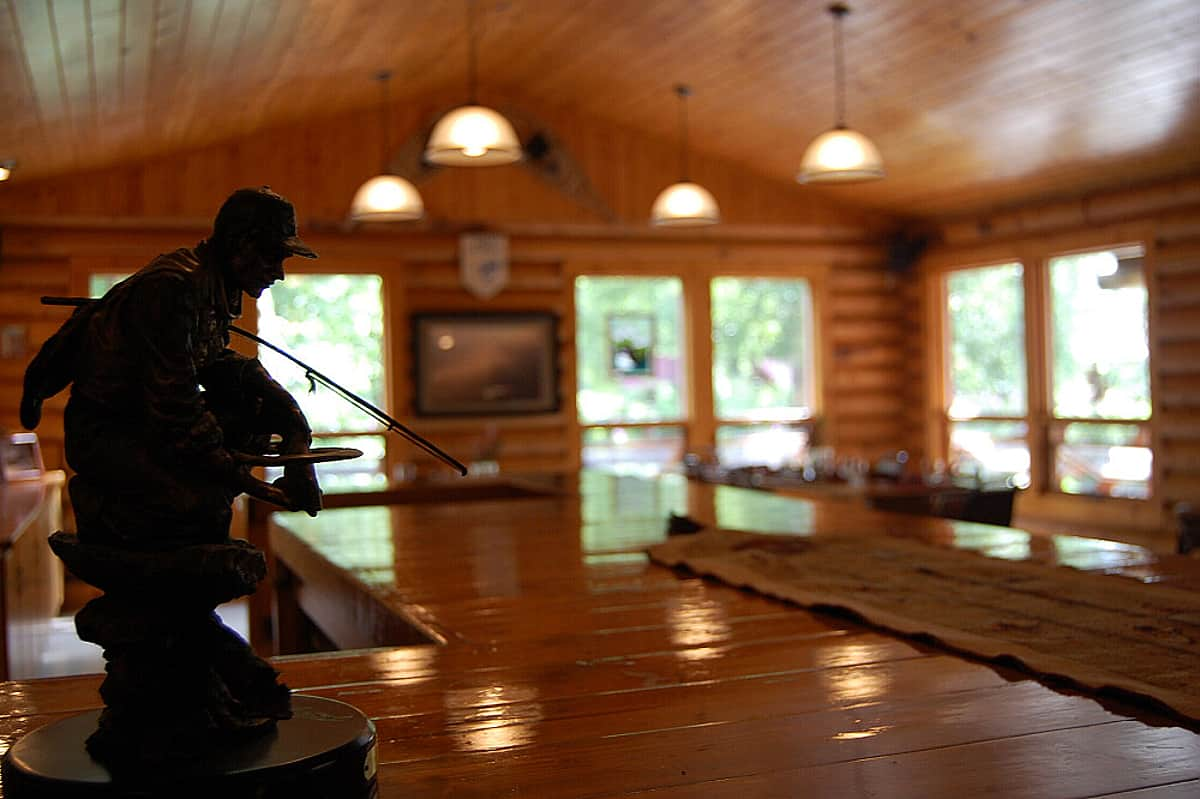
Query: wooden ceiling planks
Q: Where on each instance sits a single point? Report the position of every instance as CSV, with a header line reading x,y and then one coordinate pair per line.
x,y
104,21
974,105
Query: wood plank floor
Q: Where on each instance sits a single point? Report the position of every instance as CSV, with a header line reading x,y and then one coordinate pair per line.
x,y
575,668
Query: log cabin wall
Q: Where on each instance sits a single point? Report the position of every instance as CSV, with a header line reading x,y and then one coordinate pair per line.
x,y
874,390
25,325
590,215
1165,216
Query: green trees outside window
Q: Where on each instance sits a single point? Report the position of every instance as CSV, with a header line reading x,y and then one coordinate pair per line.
x,y
618,393
607,394
633,377
985,310
100,283
762,349
1101,366
763,368
986,375
1100,370
1096,383
334,323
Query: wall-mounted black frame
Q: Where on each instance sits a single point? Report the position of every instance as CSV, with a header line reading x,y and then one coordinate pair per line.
x,y
485,363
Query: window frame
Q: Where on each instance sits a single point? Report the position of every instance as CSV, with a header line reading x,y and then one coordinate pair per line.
x,y
699,421
1056,426
577,428
940,374
815,357
302,266
1042,498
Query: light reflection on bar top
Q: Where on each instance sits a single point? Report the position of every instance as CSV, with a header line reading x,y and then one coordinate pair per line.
x,y
623,515
1063,550
847,676
492,717
619,515
606,497
867,732
357,539
697,623
413,663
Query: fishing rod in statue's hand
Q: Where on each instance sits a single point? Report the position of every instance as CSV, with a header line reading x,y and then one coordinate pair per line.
x,y
313,376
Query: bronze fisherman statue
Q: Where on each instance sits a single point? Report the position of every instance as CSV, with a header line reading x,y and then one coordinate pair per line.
x,y
161,418
162,427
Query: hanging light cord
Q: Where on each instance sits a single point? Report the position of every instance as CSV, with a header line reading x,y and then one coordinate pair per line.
x,y
471,66
839,11
384,77
683,92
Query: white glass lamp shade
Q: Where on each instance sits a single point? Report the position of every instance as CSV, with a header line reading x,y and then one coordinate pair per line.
x,y
684,205
386,198
472,135
840,154
6,170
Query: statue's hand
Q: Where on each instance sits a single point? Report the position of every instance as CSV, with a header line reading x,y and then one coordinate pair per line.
x,y
285,417
299,483
296,490
278,411
249,484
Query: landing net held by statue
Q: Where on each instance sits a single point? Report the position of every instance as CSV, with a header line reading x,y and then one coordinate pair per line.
x,y
389,423
314,455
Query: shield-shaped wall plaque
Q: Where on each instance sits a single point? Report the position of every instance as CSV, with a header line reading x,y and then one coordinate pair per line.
x,y
483,263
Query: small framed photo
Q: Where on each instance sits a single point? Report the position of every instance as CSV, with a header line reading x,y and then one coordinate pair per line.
x,y
631,344
14,341
22,457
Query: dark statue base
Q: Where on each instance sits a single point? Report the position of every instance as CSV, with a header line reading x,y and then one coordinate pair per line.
x,y
179,682
327,749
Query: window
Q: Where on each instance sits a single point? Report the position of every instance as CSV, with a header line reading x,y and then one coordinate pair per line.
x,y
1099,374
100,283
986,376
636,386
334,323
631,372
1085,410
762,368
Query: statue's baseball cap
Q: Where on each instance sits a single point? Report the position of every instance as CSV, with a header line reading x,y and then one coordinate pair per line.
x,y
262,211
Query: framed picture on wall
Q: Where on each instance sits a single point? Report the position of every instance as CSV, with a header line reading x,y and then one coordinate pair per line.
x,y
485,363
631,344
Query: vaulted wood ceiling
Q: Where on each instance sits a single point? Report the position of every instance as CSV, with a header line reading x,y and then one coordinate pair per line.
x,y
975,104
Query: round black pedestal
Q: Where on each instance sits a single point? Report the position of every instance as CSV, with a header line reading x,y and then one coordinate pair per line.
x,y
327,749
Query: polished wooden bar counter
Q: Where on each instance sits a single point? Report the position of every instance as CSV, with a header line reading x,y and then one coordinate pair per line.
x,y
31,586
562,663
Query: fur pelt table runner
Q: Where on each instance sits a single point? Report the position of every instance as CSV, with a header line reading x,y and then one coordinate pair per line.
x,y
1105,634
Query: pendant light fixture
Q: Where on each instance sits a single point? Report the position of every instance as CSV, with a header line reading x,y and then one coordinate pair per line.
x,y
472,134
386,197
842,154
684,204
6,169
